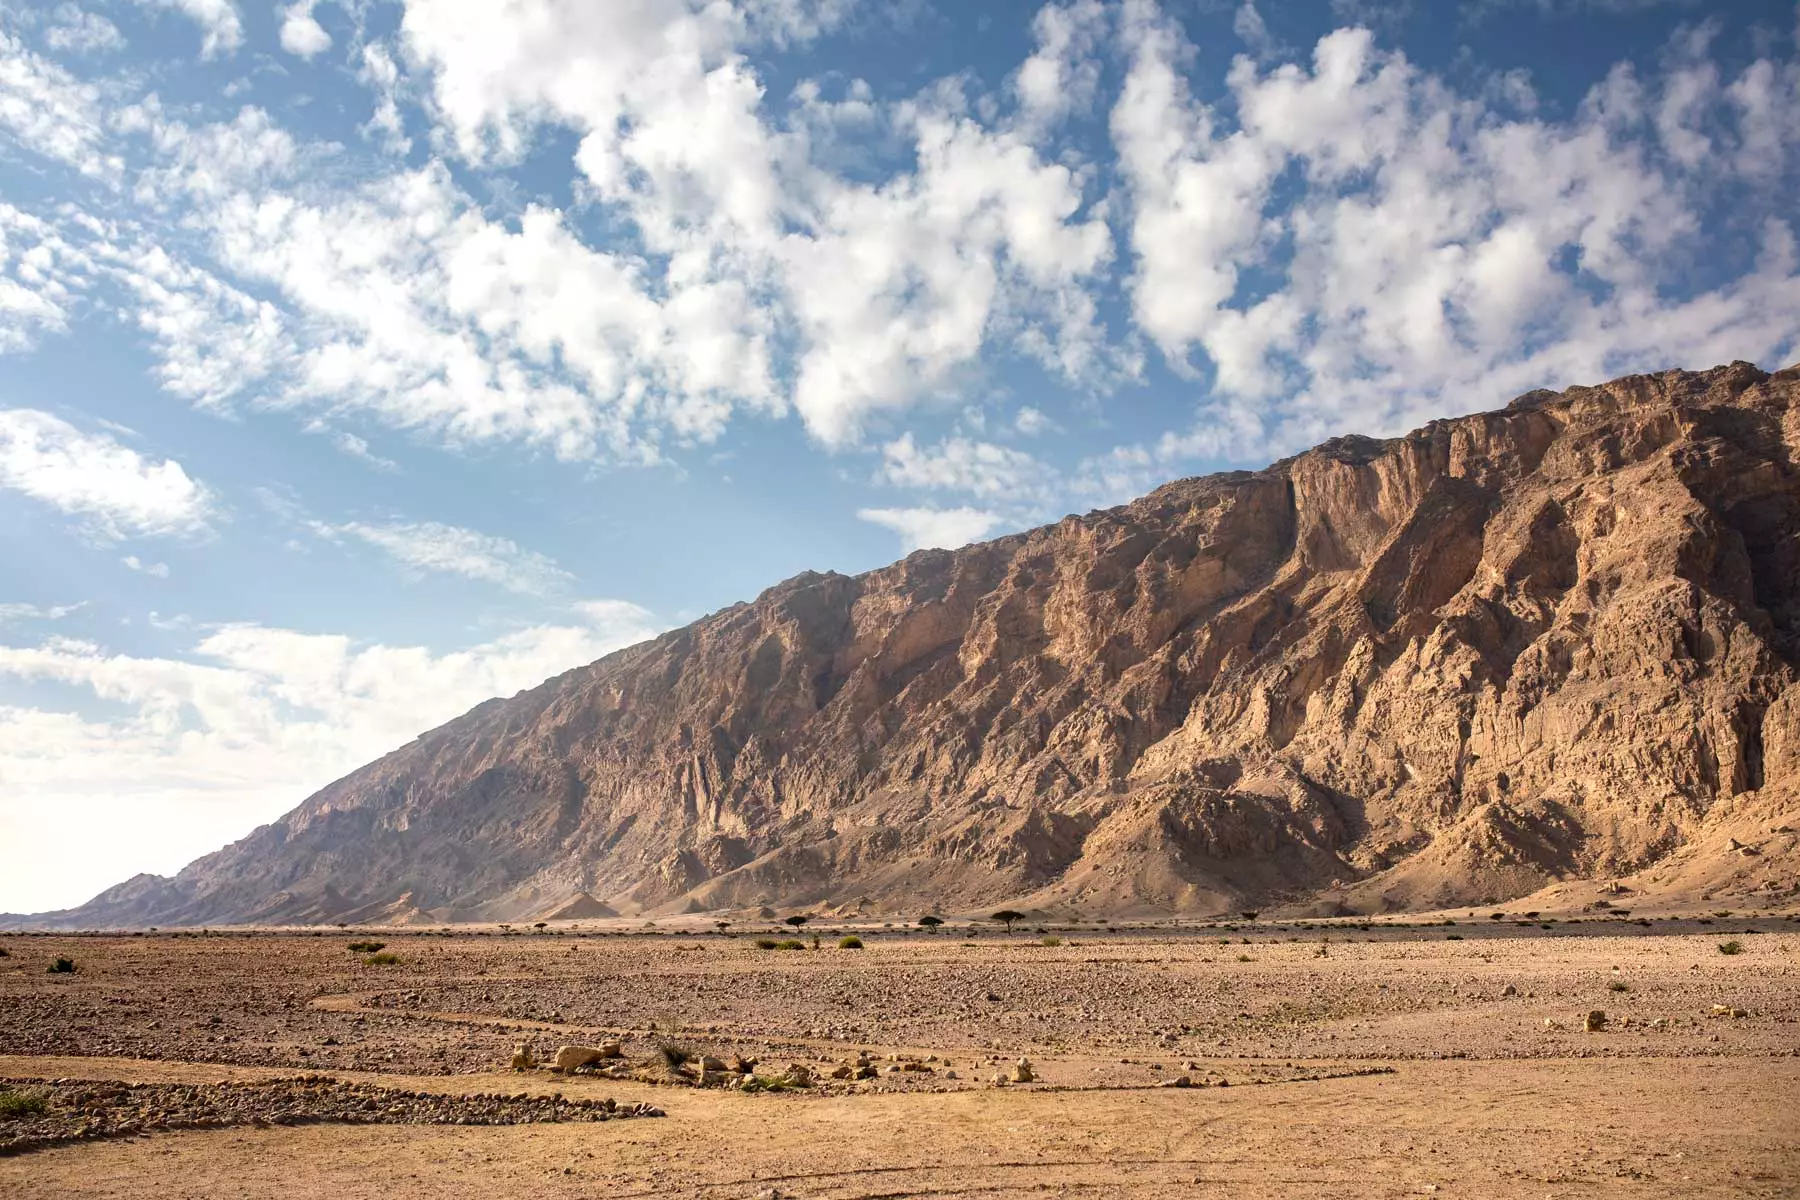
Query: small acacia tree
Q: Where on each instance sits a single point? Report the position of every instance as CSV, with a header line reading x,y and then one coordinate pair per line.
x,y
931,924
1009,916
797,920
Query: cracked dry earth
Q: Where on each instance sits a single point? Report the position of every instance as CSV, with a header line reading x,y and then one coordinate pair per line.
x,y
1325,1059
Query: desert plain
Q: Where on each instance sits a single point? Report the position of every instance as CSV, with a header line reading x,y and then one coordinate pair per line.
x,y
1446,1054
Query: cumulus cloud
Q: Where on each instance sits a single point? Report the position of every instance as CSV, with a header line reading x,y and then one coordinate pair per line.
x,y
1433,253
115,491
430,546
301,34
156,570
192,750
935,528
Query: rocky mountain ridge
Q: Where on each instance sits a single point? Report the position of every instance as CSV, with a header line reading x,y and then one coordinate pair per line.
x,y
1557,641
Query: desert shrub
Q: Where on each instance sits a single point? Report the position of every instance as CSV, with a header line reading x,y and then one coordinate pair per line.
x,y
1245,958
62,966
383,960
1618,985
790,944
5,953
367,947
674,1054
1453,937
1731,947
15,1105
1499,916
931,923
1050,939
850,943
766,943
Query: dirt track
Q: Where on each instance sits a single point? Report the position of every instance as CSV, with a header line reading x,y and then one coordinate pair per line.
x,y
1483,1099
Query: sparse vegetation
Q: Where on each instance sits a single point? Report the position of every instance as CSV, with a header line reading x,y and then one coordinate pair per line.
x,y
674,1055
62,966
5,953
1732,947
1618,985
368,947
930,924
17,1105
382,960
1249,914
1050,939
850,943
765,943
1245,958
1007,916
797,920
790,944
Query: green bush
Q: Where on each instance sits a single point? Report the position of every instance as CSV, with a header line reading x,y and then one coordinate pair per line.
x,y
367,947
850,943
14,1105
62,966
1050,939
1731,947
790,944
1618,985
383,960
765,943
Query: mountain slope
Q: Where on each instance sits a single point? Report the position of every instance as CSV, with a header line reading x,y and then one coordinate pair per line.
x,y
1560,640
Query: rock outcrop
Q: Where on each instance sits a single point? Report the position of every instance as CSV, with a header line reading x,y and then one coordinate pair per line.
x,y
1560,640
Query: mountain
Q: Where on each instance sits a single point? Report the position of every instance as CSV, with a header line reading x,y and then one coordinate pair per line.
x,y
1559,641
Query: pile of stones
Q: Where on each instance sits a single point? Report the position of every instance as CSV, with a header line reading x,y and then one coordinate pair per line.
x,y
79,1110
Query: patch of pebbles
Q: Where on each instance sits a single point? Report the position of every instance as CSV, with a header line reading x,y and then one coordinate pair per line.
x,y
81,1110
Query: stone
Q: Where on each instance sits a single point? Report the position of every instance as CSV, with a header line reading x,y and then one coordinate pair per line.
x,y
571,1058
522,1059
1021,1072
1180,1081
798,1075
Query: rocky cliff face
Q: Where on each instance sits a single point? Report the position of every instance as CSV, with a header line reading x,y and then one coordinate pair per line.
x,y
1560,640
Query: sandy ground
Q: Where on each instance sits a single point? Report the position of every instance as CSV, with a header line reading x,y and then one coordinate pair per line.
x,y
1400,1059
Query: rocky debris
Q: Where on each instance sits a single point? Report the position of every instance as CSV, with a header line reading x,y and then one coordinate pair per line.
x,y
1726,1010
1377,663
797,1075
1180,1081
1021,1072
78,1110
522,1058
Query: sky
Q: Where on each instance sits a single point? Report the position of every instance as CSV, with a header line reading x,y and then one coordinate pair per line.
x,y
361,360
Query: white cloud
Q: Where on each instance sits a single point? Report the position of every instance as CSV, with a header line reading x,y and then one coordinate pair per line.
x,y
1432,252
156,570
301,33
1030,422
12,613
939,528
1253,31
242,728
51,113
115,490
1063,72
221,29
77,31
959,464
448,549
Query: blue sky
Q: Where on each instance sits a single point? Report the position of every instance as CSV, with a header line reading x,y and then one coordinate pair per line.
x,y
361,360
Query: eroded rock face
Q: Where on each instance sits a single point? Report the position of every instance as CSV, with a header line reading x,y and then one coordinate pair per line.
x,y
1551,641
